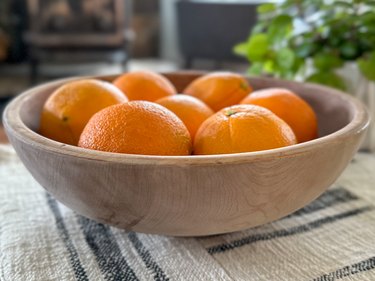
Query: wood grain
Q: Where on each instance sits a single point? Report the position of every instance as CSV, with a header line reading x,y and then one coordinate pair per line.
x,y
3,137
191,195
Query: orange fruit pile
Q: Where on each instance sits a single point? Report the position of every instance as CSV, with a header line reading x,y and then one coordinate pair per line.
x,y
142,113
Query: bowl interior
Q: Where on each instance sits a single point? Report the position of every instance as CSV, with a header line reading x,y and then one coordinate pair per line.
x,y
334,111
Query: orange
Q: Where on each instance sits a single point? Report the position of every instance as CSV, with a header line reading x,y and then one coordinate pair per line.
x,y
144,85
289,107
69,108
242,128
219,89
190,110
137,127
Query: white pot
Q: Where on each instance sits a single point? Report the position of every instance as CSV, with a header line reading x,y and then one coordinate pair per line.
x,y
364,90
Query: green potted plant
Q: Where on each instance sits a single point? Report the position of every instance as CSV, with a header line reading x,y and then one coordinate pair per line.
x,y
330,42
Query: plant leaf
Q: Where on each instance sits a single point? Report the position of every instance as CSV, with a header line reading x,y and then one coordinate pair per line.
x,y
280,28
298,65
327,78
269,66
327,61
344,4
255,68
266,8
304,50
367,66
258,47
258,28
349,50
241,49
369,2
285,58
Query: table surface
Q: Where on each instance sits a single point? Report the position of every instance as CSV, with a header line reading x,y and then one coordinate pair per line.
x,y
330,239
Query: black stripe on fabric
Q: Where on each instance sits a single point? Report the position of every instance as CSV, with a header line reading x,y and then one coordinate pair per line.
x,y
106,250
78,269
349,270
284,232
145,255
329,198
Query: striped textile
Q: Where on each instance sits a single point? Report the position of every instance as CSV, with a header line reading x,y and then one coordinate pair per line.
x,y
333,238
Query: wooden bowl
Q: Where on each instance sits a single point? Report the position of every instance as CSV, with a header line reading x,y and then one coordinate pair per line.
x,y
191,195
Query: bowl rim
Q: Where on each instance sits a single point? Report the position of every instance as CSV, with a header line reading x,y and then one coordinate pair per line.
x,y
14,125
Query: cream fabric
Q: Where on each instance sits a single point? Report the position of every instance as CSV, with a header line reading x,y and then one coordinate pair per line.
x,y
333,238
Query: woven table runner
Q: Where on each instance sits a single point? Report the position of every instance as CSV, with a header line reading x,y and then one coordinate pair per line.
x,y
333,238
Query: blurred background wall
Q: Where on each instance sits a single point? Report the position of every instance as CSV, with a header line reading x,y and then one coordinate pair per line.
x,y
160,35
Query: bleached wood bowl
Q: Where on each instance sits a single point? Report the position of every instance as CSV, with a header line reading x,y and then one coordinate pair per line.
x,y
191,195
